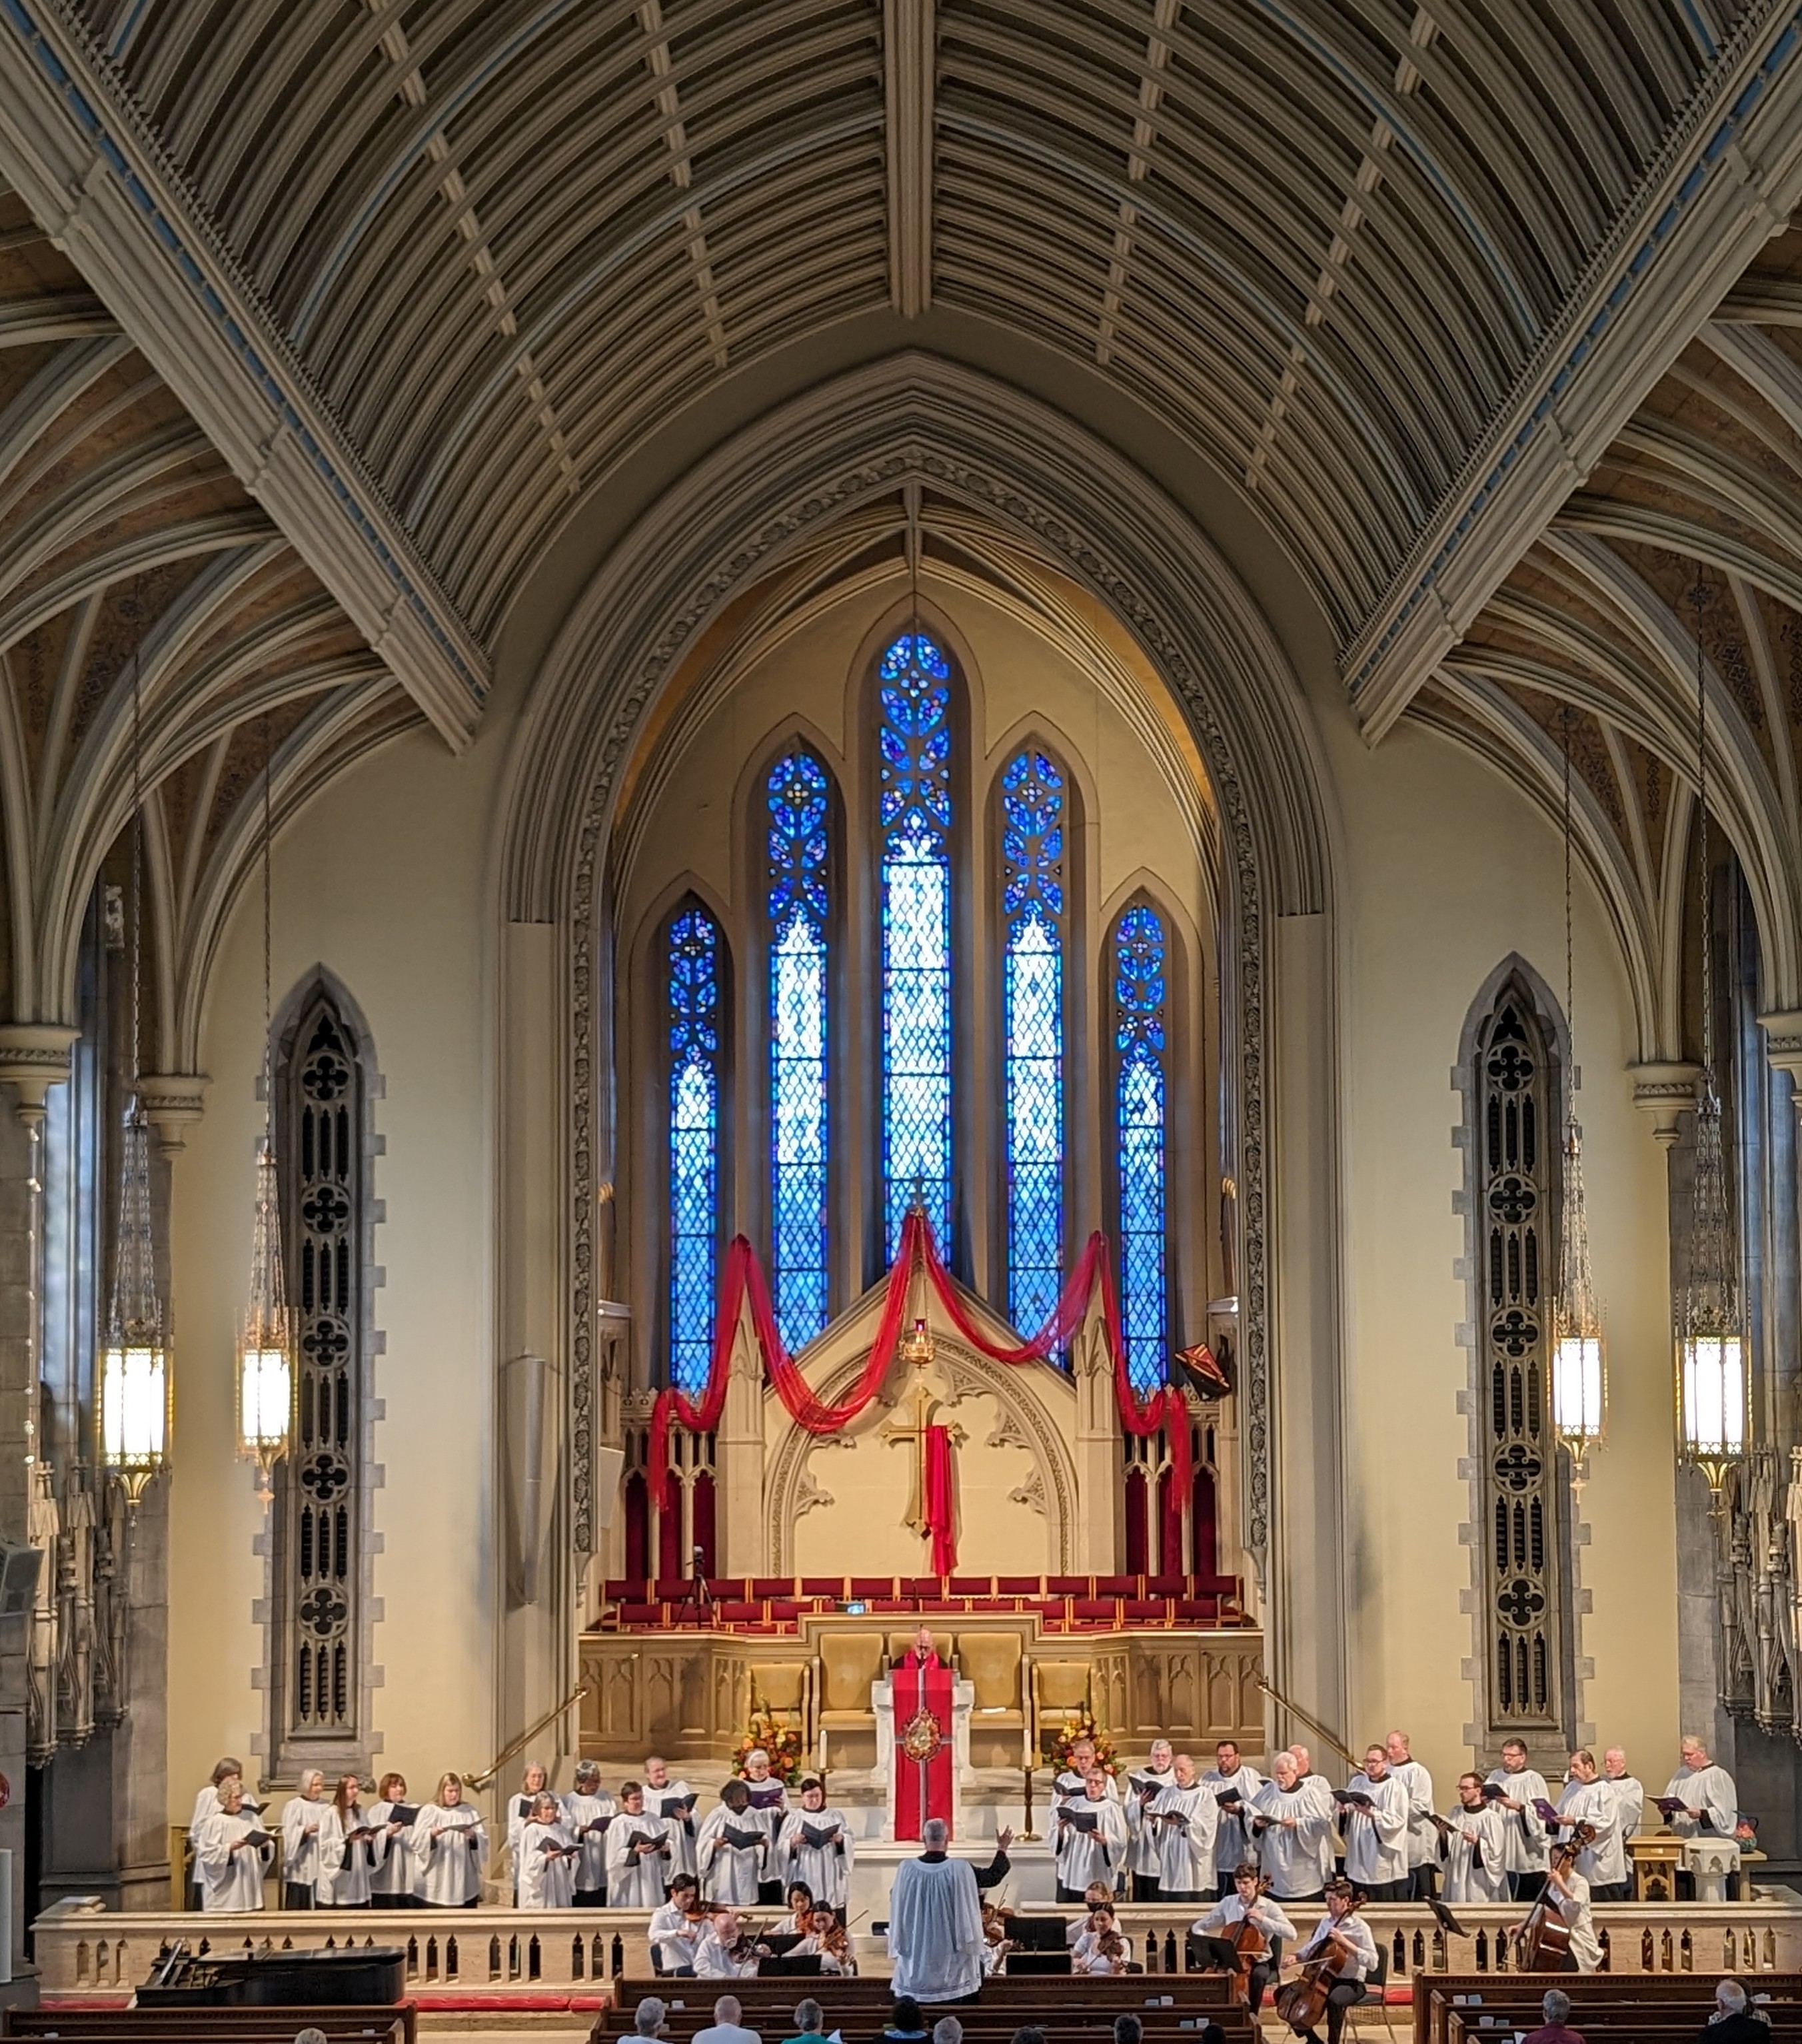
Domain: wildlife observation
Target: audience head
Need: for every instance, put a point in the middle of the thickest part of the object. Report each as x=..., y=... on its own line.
x=905, y=2017
x=948, y=2029
x=450, y=1790
x=726, y=2010
x=1730, y=1998
x=808, y=2015
x=1396, y=1748
x=226, y=1766
x=1128, y=2029
x=310, y=2035
x=1028, y=2033
x=647, y=2018
x=1556, y=2005
x=935, y=1835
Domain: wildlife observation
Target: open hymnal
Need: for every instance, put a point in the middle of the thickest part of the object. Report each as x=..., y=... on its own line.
x=740, y=1841
x=816, y=1838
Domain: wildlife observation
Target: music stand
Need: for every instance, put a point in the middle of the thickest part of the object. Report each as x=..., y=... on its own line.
x=696, y=1591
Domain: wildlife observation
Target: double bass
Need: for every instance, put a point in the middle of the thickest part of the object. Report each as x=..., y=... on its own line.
x=1302, y=2002
x=1545, y=1937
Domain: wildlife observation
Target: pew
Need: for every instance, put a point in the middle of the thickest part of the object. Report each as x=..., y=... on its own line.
x=1670, y=2007
x=233, y=2025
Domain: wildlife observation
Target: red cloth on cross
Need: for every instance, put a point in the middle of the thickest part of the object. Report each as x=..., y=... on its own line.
x=921, y=1685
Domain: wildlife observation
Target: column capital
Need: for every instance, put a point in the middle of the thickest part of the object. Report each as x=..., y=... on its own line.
x=1783, y=1045
x=34, y=1056
x=172, y=1101
x=1666, y=1091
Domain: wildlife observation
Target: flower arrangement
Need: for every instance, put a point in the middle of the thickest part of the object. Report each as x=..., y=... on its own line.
x=764, y=1731
x=1081, y=1724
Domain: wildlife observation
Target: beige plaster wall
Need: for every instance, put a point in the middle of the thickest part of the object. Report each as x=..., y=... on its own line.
x=382, y=882
x=1447, y=871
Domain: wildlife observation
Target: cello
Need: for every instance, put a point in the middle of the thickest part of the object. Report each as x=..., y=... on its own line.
x=1302, y=2002
x=1544, y=1937
x=1250, y=1946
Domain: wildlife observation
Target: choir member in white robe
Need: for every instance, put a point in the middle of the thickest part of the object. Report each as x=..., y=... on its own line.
x=722, y=1951
x=673, y=1930
x=587, y=1809
x=935, y=1922
x=732, y=1848
x=1628, y=1793
x=638, y=1854
x=1142, y=1788
x=1074, y=1780
x=448, y=1843
x=1090, y=1839
x=1295, y=1841
x=205, y=1804
x=1522, y=1787
x=232, y=1849
x=1376, y=1838
x=1186, y=1817
x=1710, y=1800
x=349, y=1845
x=1473, y=1846
x=1423, y=1833
x=1587, y=1799
x=826, y=1870
x=1233, y=1846
x=533, y=1782
x=303, y=1816
x=770, y=1806
x=394, y=1881
x=1211, y=1936
x=668, y=1797
x=547, y=1856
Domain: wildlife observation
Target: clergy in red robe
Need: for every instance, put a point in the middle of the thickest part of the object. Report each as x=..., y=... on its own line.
x=922, y=1687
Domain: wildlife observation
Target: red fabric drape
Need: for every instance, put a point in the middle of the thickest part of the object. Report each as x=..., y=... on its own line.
x=941, y=1500
x=743, y=1284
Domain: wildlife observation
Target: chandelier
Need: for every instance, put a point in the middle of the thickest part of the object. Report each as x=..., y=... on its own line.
x=1710, y=1346
x=1579, y=1378
x=134, y=1361
x=266, y=1383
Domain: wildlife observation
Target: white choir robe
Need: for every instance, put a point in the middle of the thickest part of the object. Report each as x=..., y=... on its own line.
x=1709, y=1789
x=1527, y=1851
x=713, y=1962
x=1376, y=1846
x=826, y=1870
x=1299, y=1862
x=229, y=1881
x=1591, y=1803
x=1475, y=1873
x=680, y=1832
x=1185, y=1850
x=730, y=1872
x=579, y=1813
x=395, y=1873
x=1233, y=1842
x=300, y=1853
x=935, y=1930
x=1142, y=1851
x=345, y=1870
x=1097, y=1855
x=449, y=1867
x=673, y=1934
x=1423, y=1833
x=635, y=1879
x=1630, y=1805
x=1585, y=1948
x=544, y=1882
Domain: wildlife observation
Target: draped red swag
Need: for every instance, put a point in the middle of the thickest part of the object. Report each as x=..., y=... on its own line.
x=743, y=1283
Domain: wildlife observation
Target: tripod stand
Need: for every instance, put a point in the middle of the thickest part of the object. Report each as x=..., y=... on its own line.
x=697, y=1592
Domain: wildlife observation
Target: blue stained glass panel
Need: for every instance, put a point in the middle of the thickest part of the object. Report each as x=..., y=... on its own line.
x=1032, y=907
x=914, y=783
x=1140, y=949
x=694, y=1143
x=796, y=793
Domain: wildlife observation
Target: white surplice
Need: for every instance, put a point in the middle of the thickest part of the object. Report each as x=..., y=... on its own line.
x=301, y=1822
x=229, y=1881
x=1423, y=1841
x=1141, y=1850
x=730, y=1872
x=1709, y=1789
x=1629, y=1797
x=1527, y=1847
x=346, y=1867
x=545, y=1882
x=1297, y=1857
x=1084, y=1856
x=1186, y=1848
x=580, y=1813
x=1476, y=1868
x=826, y=1870
x=1376, y=1843
x=635, y=1879
x=1233, y=1843
x=935, y=1930
x=396, y=1873
x=450, y=1865
x=1602, y=1861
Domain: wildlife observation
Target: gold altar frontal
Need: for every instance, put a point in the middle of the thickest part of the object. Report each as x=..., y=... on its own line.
x=687, y=1692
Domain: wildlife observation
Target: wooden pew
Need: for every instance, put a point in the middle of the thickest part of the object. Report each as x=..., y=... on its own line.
x=1448, y=2007
x=230, y=2025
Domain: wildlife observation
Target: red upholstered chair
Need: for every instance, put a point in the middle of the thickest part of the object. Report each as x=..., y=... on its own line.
x=1146, y=1611
x=731, y=1589
x=1197, y=1611
x=1095, y=1611
x=739, y=1611
x=1073, y=1586
x=1119, y=1586
x=824, y=1586
x=640, y=1614
x=1029, y=1586
x=872, y=1586
x=1167, y=1586
x=922, y=1586
x=772, y=1586
x=670, y=1588
x=972, y=1586
x=891, y=1606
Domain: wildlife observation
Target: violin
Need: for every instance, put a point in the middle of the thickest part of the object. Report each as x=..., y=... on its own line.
x=1250, y=1946
x=1545, y=1937
x=1302, y=2002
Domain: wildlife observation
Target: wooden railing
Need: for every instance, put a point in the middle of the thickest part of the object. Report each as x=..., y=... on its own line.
x=82, y=1949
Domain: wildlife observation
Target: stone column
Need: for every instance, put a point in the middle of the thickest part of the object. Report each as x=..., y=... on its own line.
x=738, y=1461
x=1099, y=1477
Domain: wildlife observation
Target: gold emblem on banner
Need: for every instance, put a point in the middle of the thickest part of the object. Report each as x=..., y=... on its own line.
x=922, y=1737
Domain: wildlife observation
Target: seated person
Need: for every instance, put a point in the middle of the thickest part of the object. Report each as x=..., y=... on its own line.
x=1211, y=1936
x=1733, y=2021
x=1555, y=2006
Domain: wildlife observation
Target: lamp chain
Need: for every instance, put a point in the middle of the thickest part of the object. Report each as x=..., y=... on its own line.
x=1700, y=598
x=137, y=841
x=268, y=1059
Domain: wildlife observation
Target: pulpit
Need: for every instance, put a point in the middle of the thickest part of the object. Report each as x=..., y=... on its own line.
x=895, y=1773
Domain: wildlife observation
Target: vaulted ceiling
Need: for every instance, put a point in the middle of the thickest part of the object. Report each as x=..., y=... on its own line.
x=320, y=320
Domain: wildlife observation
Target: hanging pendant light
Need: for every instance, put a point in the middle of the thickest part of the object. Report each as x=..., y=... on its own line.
x=1711, y=1346
x=1579, y=1373
x=134, y=1401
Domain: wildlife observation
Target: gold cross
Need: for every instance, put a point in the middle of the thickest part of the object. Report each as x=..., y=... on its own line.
x=925, y=1408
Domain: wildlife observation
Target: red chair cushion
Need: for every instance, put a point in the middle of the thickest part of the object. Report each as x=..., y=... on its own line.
x=823, y=1586
x=1020, y=1586
x=872, y=1586
x=772, y=1586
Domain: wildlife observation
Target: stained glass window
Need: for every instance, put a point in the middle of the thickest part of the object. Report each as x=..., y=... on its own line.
x=695, y=1018
x=1033, y=808
x=1140, y=950
x=796, y=793
x=915, y=783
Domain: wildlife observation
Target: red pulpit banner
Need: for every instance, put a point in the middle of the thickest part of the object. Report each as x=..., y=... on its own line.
x=923, y=1744
x=941, y=1500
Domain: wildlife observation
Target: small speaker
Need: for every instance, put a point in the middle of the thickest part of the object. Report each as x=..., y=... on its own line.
x=19, y=1568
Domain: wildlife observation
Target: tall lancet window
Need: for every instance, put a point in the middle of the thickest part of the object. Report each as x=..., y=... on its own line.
x=1033, y=912
x=915, y=785
x=1140, y=963
x=694, y=958
x=797, y=795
